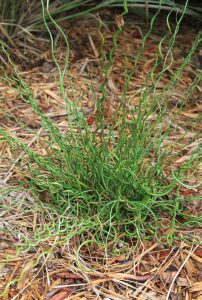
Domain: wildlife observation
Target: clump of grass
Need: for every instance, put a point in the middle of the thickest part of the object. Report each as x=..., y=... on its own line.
x=113, y=180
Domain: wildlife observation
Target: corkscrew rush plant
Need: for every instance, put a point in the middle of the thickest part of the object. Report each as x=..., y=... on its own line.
x=114, y=180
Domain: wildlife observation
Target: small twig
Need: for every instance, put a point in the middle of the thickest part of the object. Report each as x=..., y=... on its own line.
x=93, y=46
x=84, y=65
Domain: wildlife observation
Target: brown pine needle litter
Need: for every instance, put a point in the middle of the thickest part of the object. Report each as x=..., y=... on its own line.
x=55, y=268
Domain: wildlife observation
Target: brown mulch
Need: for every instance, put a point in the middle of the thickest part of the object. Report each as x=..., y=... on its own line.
x=56, y=269
x=146, y=270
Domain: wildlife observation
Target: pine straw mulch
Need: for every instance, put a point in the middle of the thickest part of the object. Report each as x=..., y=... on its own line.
x=146, y=270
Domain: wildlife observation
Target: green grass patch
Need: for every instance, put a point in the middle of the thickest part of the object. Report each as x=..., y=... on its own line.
x=118, y=179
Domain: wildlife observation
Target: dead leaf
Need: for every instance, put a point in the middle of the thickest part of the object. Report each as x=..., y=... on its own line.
x=196, y=287
x=198, y=252
x=182, y=282
x=61, y=295
x=123, y=276
x=90, y=120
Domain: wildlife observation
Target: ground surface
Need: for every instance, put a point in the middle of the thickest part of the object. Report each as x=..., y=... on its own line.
x=145, y=270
